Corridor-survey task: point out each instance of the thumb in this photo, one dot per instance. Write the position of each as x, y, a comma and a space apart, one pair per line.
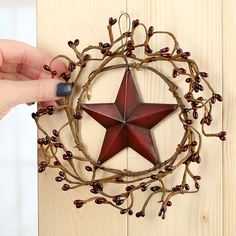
16, 92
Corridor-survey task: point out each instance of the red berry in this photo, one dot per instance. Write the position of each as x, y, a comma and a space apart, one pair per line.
123, 211
76, 42
194, 143
179, 51
65, 187
58, 178
78, 116
129, 188
197, 177
130, 212
46, 67
197, 186
150, 31
41, 169
166, 55
112, 21
40, 141
55, 133
135, 23
70, 43
88, 168
163, 50
186, 186
204, 74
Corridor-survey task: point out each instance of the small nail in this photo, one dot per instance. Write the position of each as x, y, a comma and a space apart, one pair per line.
63, 89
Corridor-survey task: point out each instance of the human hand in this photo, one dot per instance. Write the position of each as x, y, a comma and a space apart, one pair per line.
23, 79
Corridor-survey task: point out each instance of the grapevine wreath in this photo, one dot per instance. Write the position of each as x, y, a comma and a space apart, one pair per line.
127, 121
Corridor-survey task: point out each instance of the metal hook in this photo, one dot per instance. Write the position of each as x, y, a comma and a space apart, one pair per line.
129, 25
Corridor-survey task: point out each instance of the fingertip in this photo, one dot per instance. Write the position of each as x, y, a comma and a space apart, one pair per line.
59, 66
47, 103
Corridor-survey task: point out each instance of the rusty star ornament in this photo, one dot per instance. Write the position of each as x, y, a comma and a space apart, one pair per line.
128, 122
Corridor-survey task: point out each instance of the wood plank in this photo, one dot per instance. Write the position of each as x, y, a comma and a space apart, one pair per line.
229, 116
197, 26
57, 23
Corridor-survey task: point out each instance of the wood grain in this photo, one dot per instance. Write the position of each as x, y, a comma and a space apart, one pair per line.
229, 116
57, 23
197, 25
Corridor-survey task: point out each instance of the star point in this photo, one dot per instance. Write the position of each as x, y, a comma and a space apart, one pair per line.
128, 122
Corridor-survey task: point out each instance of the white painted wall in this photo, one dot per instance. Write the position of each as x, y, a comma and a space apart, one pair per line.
18, 150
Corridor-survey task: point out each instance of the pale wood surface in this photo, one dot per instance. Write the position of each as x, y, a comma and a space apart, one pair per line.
229, 116
197, 25
58, 22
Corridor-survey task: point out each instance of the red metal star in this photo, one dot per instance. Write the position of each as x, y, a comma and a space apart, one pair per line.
128, 122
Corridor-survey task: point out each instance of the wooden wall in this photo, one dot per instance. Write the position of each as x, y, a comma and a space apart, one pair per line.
207, 28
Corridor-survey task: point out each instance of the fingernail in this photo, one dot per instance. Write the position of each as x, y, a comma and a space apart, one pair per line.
30, 103
63, 89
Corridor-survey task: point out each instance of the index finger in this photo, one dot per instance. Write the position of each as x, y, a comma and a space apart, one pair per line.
14, 52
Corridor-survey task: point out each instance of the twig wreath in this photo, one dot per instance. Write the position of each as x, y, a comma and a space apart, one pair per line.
153, 179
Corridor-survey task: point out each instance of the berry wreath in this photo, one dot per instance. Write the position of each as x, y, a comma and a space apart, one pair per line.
57, 155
